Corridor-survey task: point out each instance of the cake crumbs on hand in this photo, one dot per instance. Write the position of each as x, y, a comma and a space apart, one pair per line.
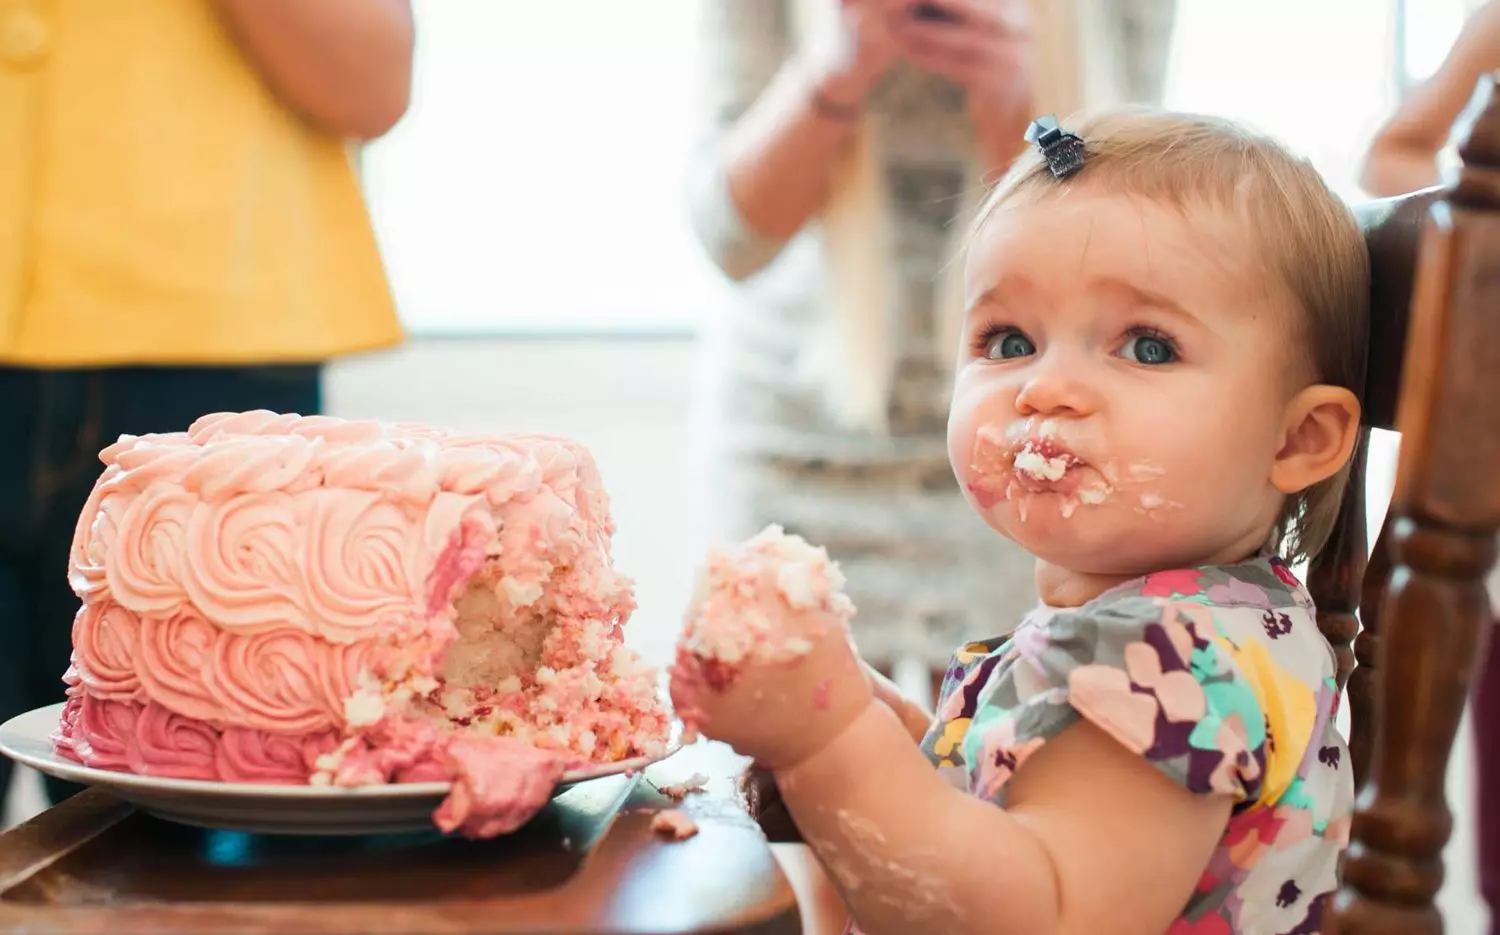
674, 825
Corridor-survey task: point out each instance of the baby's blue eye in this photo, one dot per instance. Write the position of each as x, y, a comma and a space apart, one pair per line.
1145, 349
1009, 344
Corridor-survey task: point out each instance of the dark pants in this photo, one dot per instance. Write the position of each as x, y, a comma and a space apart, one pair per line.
52, 427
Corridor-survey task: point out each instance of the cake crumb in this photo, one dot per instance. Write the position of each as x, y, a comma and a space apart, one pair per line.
674, 825
678, 791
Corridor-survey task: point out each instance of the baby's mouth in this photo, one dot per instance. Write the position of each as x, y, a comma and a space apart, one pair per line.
1044, 465
1030, 459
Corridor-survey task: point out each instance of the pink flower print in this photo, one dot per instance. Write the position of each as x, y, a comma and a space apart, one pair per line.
1185, 624
1211, 924
1250, 834
1178, 692
1238, 767
1296, 825
1103, 695
1208, 882
1183, 582
953, 707
1238, 591
1285, 574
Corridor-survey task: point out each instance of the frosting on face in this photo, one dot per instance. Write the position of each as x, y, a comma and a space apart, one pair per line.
1029, 457
272, 598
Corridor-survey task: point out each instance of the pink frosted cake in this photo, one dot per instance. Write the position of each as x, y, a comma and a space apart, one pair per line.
283, 599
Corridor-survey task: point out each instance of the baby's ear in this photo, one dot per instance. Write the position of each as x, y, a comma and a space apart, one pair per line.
1322, 425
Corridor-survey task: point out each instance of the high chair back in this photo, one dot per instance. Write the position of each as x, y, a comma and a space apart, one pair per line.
1432, 374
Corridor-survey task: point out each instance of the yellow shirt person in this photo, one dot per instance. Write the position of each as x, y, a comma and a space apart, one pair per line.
181, 231
160, 204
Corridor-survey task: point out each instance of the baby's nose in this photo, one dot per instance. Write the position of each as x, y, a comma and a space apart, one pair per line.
1056, 389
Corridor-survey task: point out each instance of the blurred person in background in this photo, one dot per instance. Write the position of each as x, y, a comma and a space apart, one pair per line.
181, 232
1407, 152
849, 140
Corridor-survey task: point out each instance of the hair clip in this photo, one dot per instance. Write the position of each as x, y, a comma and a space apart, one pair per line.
1062, 150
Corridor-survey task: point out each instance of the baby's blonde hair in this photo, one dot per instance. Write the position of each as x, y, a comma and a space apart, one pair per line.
1305, 234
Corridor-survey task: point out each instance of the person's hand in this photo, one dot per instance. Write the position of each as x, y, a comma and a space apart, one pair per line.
765, 662
776, 711
853, 49
985, 47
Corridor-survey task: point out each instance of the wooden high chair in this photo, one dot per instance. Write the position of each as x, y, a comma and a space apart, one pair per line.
1421, 599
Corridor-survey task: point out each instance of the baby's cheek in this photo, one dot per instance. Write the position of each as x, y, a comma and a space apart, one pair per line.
1177, 479
972, 408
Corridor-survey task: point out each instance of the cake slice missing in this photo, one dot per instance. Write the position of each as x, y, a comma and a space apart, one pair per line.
287, 599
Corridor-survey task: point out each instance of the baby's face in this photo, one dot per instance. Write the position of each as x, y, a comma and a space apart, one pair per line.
1123, 383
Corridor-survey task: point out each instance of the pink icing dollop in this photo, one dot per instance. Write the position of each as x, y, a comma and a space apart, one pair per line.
501, 784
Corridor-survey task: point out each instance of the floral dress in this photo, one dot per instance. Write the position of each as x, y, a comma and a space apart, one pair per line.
1217, 677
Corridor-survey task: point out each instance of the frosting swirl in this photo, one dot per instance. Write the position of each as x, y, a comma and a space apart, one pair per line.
104, 644
93, 535
176, 655
499, 475
360, 564
273, 681
257, 756
345, 432
168, 744
406, 472
144, 565
227, 467
255, 422
104, 733
242, 567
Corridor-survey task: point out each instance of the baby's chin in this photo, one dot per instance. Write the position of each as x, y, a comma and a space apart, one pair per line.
1088, 538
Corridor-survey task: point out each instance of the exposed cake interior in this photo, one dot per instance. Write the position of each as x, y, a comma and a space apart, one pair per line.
520, 663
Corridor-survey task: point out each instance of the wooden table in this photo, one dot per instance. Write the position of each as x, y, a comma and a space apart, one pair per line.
588, 864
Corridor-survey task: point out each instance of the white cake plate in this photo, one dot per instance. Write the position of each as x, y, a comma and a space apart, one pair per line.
264, 808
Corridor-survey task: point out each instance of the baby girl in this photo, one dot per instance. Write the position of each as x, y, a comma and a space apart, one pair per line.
1156, 396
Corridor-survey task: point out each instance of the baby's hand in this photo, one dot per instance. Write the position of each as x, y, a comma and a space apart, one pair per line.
765, 661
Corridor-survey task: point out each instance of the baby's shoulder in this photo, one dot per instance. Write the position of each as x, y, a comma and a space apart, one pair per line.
1256, 613
1195, 669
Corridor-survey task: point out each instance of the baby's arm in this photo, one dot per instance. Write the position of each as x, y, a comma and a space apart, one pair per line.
758, 785
1092, 838
345, 65
914, 717
1105, 826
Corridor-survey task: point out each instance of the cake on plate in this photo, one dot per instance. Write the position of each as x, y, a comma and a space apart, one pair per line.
274, 598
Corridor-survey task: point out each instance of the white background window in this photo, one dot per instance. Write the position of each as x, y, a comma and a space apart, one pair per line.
535, 184
1319, 74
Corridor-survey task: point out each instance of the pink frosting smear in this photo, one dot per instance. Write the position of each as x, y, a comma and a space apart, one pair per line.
272, 598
